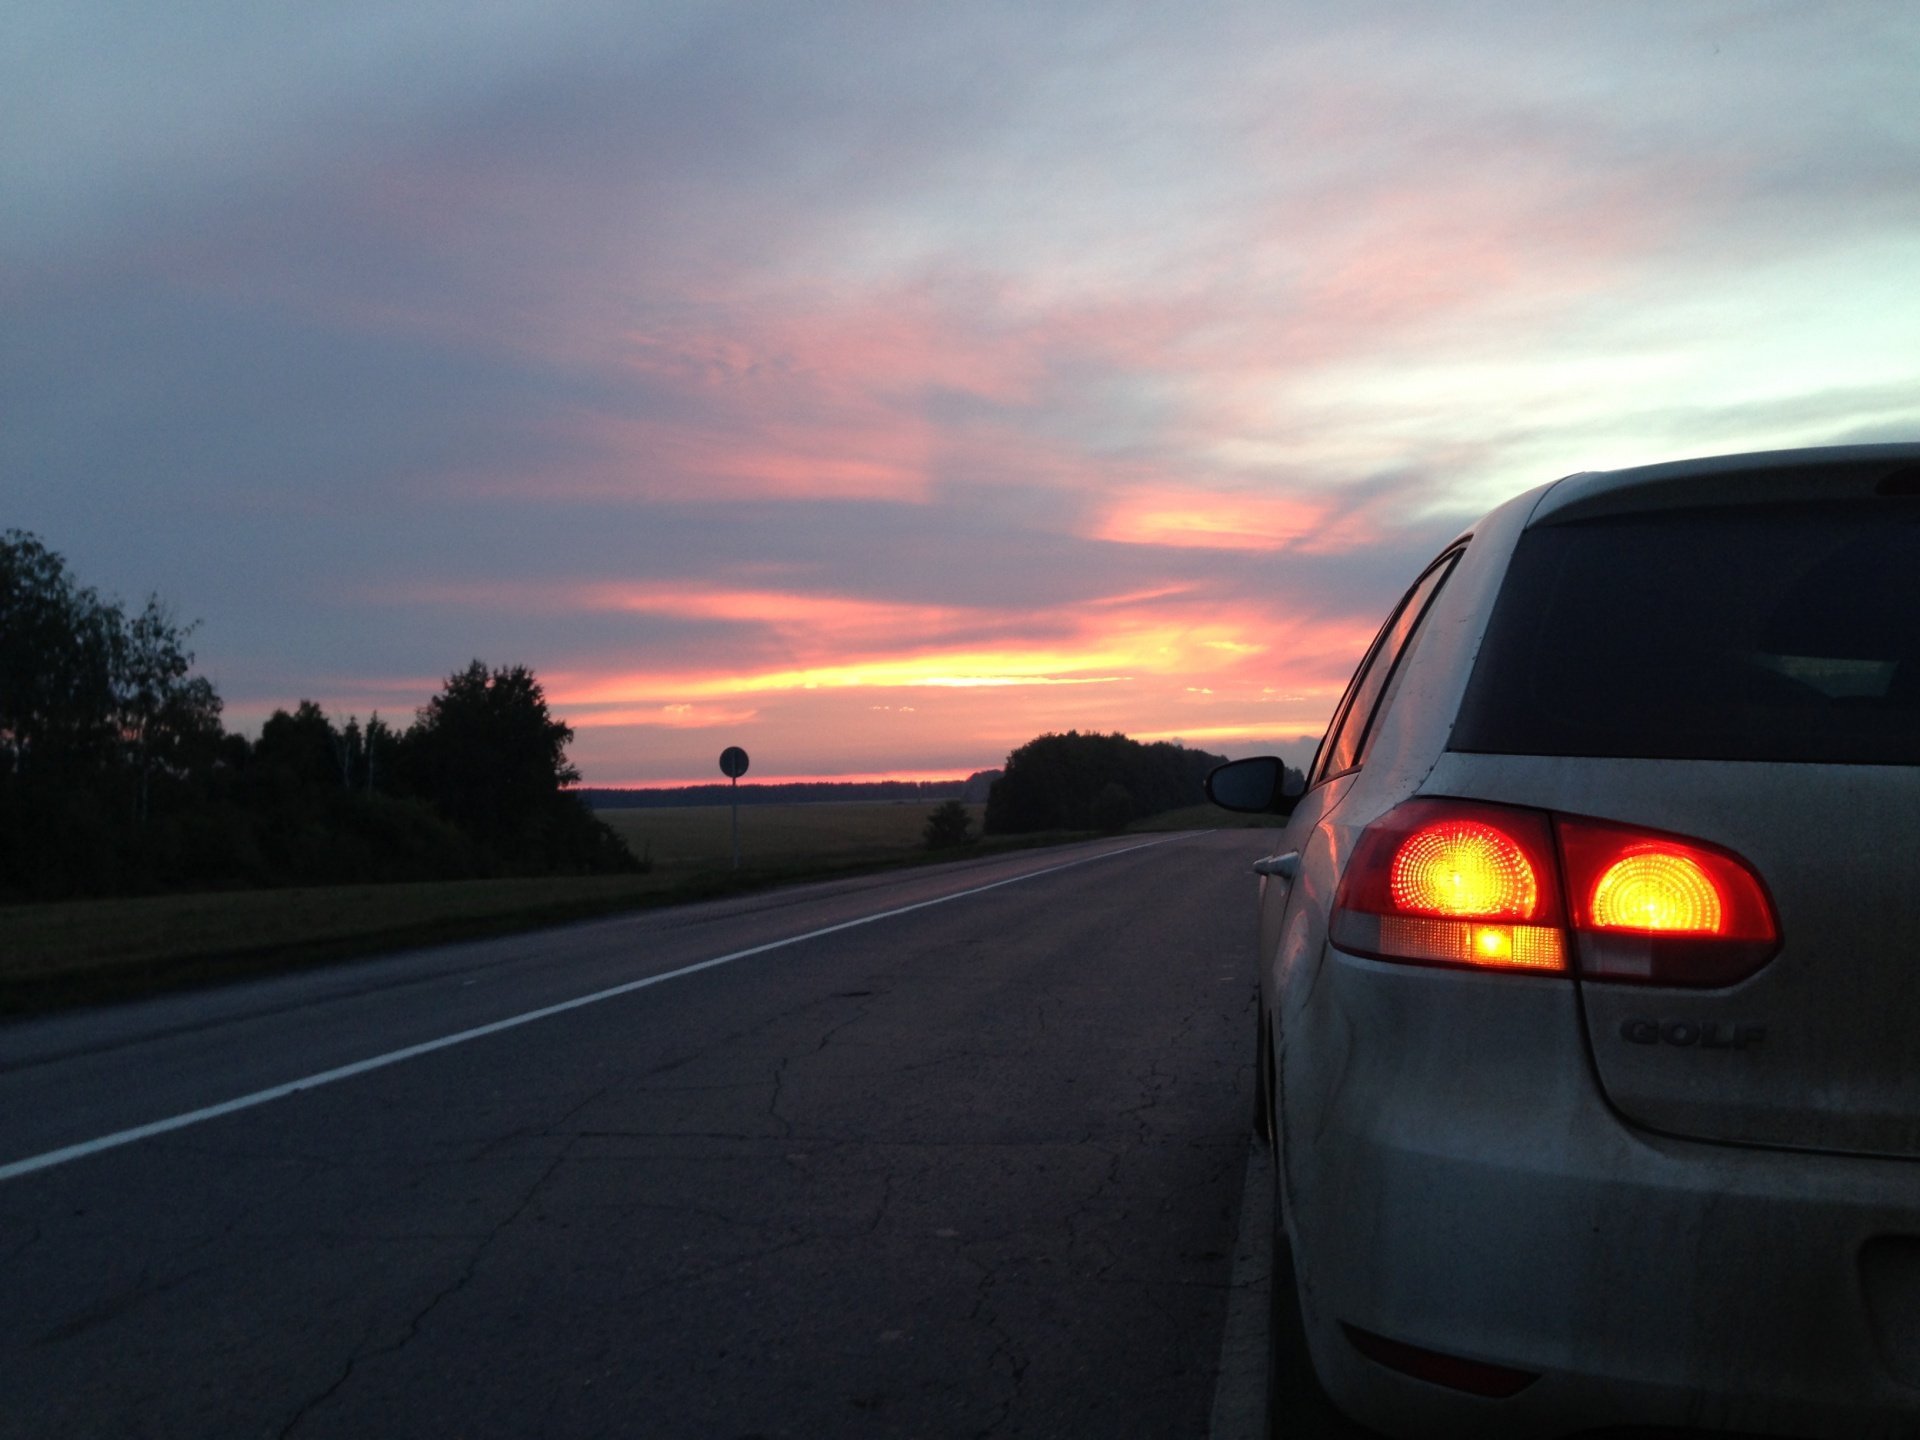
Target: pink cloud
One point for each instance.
(1207, 520)
(866, 677)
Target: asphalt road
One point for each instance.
(970, 1168)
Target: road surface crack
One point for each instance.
(1005, 1350)
(773, 1101)
(459, 1283)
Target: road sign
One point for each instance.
(733, 764)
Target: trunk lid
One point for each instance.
(1817, 1049)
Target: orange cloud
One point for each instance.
(1103, 647)
(673, 717)
(839, 615)
(796, 642)
(1215, 734)
(1208, 520)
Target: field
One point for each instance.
(775, 836)
(39, 942)
(95, 950)
(82, 951)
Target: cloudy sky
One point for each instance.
(878, 386)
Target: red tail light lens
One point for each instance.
(1460, 882)
(1464, 868)
(1476, 1377)
(1452, 882)
(1654, 907)
(1648, 888)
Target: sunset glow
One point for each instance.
(878, 388)
(1210, 522)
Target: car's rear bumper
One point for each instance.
(1463, 1187)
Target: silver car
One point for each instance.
(1590, 967)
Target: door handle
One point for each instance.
(1283, 867)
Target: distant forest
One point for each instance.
(1094, 782)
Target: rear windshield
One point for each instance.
(1758, 633)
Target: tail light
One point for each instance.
(1661, 909)
(1460, 882)
(1452, 882)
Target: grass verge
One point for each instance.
(55, 956)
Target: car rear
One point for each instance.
(1623, 1118)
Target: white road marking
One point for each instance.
(51, 1158)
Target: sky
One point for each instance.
(878, 386)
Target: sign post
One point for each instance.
(733, 764)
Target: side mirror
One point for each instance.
(1253, 787)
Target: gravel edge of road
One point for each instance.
(1240, 1384)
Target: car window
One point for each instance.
(1323, 757)
(1777, 632)
(1353, 721)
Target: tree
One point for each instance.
(949, 827)
(303, 745)
(487, 753)
(377, 751)
(167, 718)
(88, 694)
(101, 720)
(491, 758)
(57, 648)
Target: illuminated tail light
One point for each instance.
(1452, 882)
(1463, 867)
(1653, 889)
(1459, 882)
(1662, 909)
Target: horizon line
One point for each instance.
(907, 777)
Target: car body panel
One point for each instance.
(1475, 1195)
(1763, 478)
(1834, 845)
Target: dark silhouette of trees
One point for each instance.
(1112, 808)
(491, 758)
(306, 816)
(303, 745)
(1092, 782)
(57, 647)
(100, 717)
(487, 753)
(167, 717)
(116, 775)
(979, 785)
(949, 827)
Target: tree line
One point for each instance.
(117, 775)
(1093, 782)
